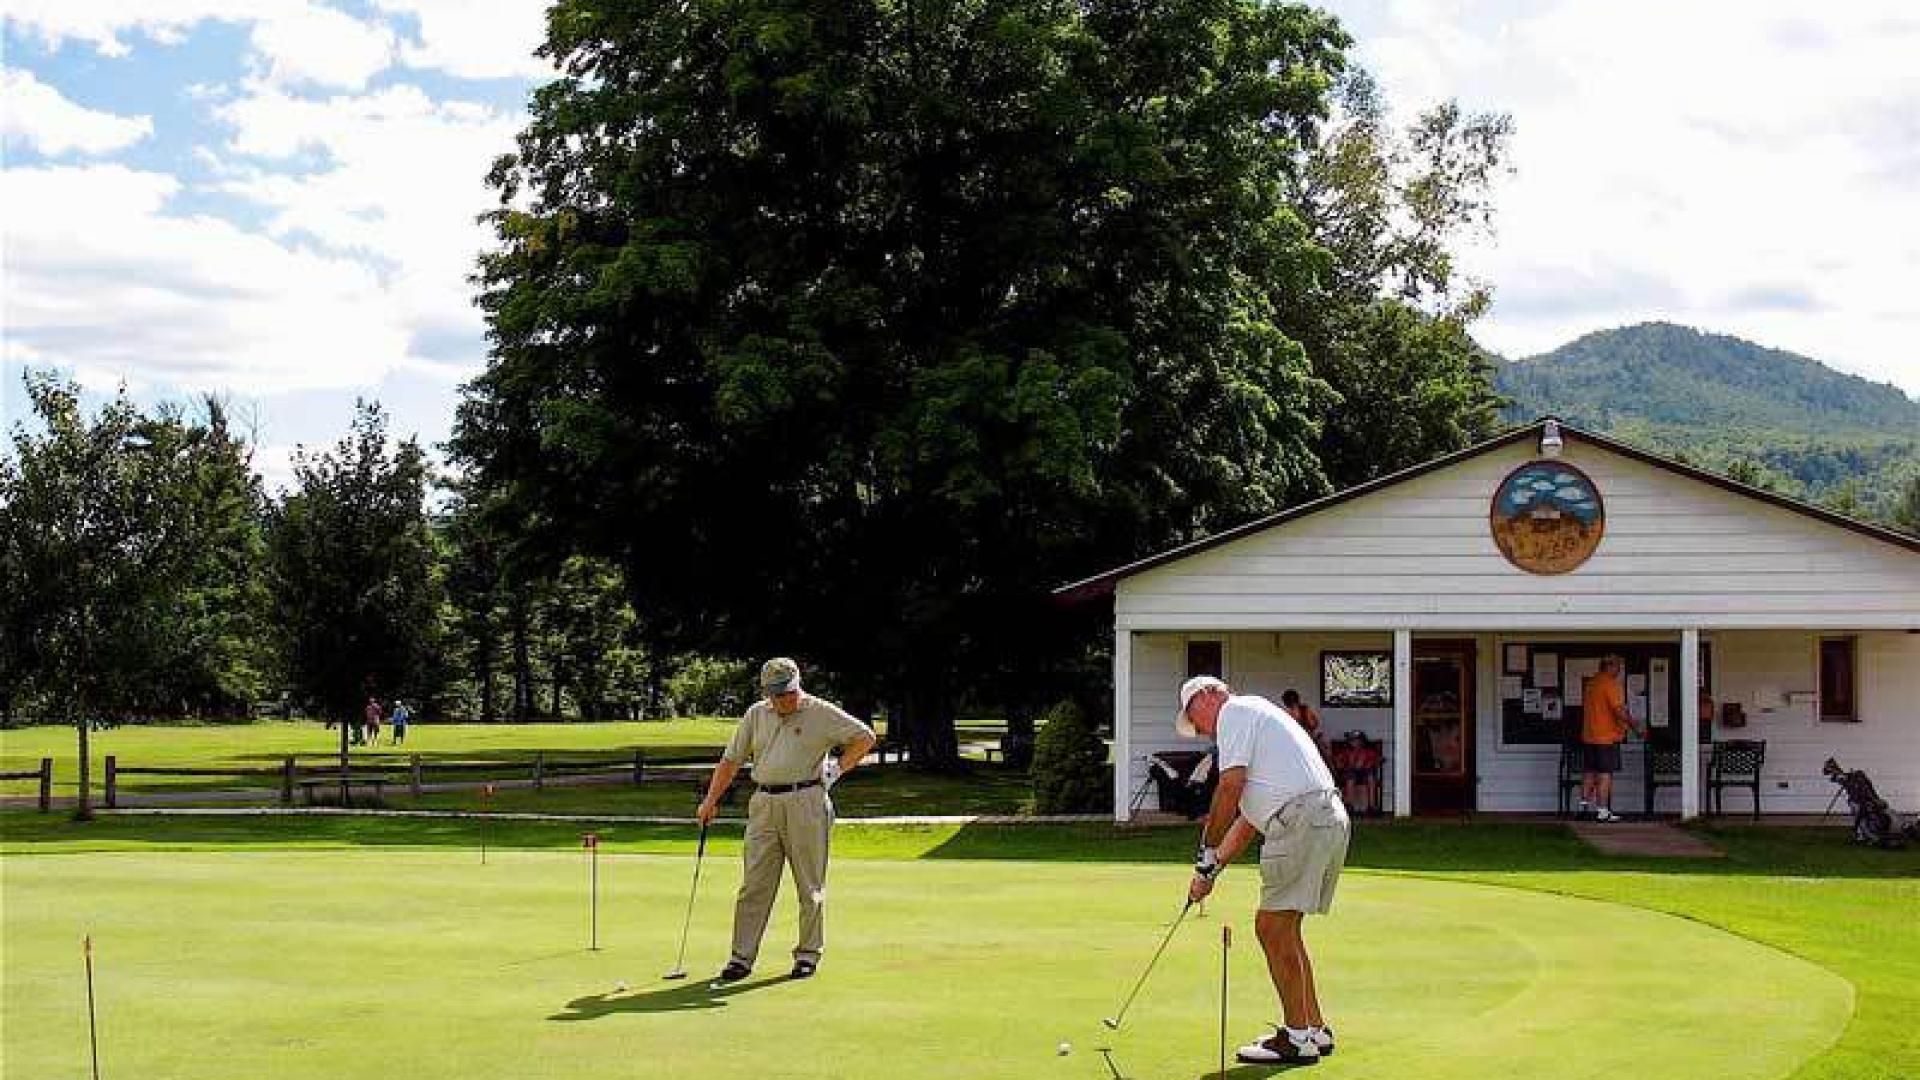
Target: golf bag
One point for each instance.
(1184, 780)
(1873, 822)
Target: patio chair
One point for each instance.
(1662, 770)
(1572, 768)
(1736, 763)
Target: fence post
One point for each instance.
(416, 776)
(639, 766)
(286, 782)
(46, 784)
(539, 769)
(113, 781)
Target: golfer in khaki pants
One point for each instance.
(1273, 782)
(790, 817)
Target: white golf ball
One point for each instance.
(1065, 1049)
(619, 988)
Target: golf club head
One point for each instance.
(676, 973)
(1112, 1024)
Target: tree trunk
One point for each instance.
(1017, 748)
(489, 688)
(343, 762)
(926, 724)
(522, 663)
(83, 807)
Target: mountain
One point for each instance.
(1763, 415)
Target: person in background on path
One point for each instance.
(1304, 715)
(1273, 784)
(1604, 722)
(372, 722)
(790, 818)
(399, 720)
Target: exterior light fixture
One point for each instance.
(1550, 441)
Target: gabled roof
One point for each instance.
(1103, 584)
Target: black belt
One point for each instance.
(782, 789)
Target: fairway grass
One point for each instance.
(422, 962)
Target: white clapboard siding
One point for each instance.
(1419, 555)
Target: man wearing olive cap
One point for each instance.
(787, 737)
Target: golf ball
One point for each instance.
(1065, 1049)
(619, 988)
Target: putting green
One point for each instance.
(422, 963)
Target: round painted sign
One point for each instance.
(1547, 517)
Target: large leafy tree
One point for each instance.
(848, 328)
(1385, 318)
(356, 588)
(99, 536)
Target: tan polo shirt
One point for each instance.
(789, 749)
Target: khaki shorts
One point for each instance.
(1300, 860)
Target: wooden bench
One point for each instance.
(310, 788)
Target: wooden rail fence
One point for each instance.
(44, 774)
(415, 773)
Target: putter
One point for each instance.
(700, 853)
(1226, 942)
(1113, 1022)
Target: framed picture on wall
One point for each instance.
(1356, 679)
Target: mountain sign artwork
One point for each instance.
(1547, 517)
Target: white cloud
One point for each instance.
(105, 24)
(40, 116)
(477, 39)
(104, 281)
(323, 46)
(403, 186)
(1733, 165)
(294, 40)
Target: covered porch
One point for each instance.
(1477, 721)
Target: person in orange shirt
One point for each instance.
(1604, 722)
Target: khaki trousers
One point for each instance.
(791, 828)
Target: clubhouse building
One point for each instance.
(1450, 613)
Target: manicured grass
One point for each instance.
(265, 745)
(960, 951)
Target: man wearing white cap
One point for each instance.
(1273, 782)
(787, 737)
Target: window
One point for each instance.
(1206, 658)
(1356, 680)
(1837, 704)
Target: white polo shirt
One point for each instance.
(1279, 756)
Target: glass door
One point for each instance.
(1443, 697)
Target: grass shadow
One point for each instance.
(687, 997)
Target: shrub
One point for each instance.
(1070, 774)
(712, 686)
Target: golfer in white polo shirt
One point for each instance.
(1272, 782)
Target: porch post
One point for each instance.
(1122, 721)
(1402, 723)
(1689, 724)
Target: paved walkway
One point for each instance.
(1649, 839)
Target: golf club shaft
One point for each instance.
(1127, 1004)
(1226, 942)
(699, 856)
(93, 1034)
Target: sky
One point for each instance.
(276, 200)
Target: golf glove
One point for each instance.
(830, 773)
(1207, 864)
